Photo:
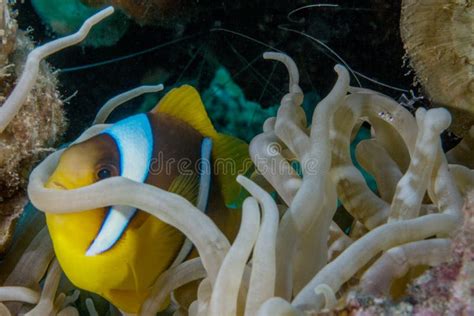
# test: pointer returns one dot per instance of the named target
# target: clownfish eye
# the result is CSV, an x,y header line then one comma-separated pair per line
x,y
104,173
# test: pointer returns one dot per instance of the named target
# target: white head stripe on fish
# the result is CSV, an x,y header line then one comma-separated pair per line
x,y
134,139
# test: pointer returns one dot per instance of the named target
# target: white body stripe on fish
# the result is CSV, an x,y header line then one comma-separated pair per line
x,y
203,195
134,139
205,174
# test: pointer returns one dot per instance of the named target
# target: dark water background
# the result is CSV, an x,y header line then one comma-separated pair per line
x,y
365,34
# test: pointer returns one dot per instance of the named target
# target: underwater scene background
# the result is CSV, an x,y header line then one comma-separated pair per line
x,y
373,239
217,47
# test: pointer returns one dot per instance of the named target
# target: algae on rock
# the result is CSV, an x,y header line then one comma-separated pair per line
x,y
33,131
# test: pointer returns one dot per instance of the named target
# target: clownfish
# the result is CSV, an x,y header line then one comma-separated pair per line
x,y
118,252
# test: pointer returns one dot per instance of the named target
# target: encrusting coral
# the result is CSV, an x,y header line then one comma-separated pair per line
x,y
437,36
444,290
35,129
290,271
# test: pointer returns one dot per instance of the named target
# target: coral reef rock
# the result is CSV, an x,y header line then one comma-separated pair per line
x,y
32,132
437,35
8,27
443,290
449,288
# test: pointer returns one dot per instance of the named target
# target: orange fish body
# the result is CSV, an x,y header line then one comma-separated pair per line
x,y
120,260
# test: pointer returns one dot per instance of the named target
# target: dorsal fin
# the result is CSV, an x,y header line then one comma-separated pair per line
x,y
185,103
